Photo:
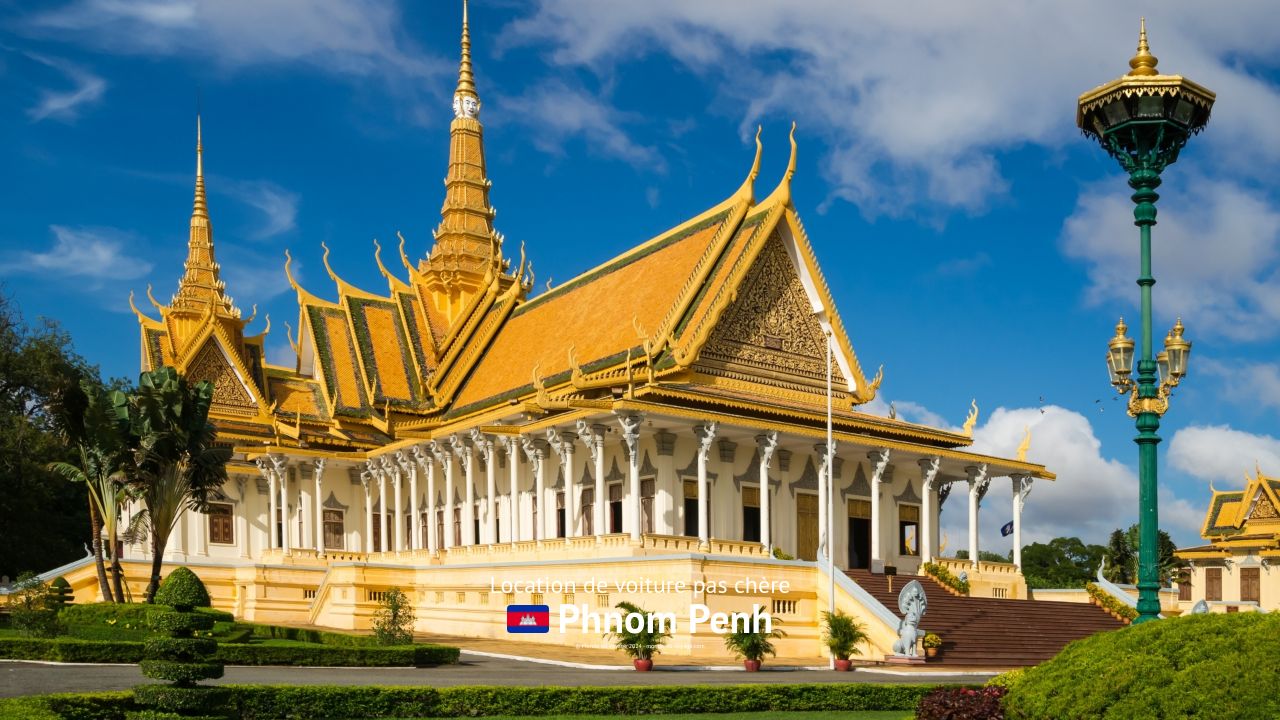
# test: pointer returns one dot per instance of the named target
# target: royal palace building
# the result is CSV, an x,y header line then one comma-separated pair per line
x,y
663,415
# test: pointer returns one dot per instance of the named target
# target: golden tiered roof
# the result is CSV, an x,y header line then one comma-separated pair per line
x,y
725,316
1247,519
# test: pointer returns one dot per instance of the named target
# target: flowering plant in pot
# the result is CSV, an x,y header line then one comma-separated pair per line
x,y
642,644
753,643
932,644
842,636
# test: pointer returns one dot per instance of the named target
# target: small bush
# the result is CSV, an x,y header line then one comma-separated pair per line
x,y
178,624
182,590
321,637
31,607
393,621
180,658
842,635
644,643
962,703
1007,680
1184,667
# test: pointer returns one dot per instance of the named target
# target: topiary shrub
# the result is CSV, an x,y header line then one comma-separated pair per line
x,y
183,591
943,575
176,654
1186,667
393,621
961,703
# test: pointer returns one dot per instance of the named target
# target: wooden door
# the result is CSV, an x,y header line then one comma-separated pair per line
x,y
807,526
1250,588
1213,583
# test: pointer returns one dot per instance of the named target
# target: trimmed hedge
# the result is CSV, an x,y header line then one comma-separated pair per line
x,y
320,637
277,702
70,650
182,590
1196,666
943,575
333,656
131,613
1109,602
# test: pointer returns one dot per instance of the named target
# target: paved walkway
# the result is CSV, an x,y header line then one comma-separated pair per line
x,y
24,678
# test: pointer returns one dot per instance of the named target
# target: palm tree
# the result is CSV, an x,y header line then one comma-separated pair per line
x,y
86,419
175,464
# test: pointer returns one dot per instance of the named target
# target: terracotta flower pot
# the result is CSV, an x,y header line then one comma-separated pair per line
x,y
931,652
643,665
843,665
751,665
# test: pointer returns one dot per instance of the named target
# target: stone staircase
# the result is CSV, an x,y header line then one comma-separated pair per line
x,y
987,632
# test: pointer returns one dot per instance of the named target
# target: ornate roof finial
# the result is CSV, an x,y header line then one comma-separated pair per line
x,y
1144,63
466,101
200,209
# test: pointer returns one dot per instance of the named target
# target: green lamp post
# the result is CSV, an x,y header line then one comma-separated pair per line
x,y
1143,119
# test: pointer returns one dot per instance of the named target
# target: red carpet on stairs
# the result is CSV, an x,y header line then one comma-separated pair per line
x,y
989,632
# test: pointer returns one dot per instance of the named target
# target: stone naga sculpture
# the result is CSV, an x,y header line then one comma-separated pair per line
x,y
912,604
1200,608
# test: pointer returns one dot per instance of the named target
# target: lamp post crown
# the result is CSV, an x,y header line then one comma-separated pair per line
x,y
1143,118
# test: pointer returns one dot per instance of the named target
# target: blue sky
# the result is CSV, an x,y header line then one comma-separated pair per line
x,y
977,246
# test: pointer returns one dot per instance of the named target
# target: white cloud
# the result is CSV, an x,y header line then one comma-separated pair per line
x,y
1216,254
279,207
917,103
1249,384
66,104
254,277
964,266
353,38
97,254
1222,454
558,112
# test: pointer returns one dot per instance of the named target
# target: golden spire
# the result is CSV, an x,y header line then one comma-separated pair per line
x,y
201,285
467,249
1144,63
200,209
466,81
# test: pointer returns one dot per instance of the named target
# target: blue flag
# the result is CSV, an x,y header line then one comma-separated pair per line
x,y
1007,529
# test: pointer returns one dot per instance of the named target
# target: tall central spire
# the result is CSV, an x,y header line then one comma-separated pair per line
x,y
201,286
467,248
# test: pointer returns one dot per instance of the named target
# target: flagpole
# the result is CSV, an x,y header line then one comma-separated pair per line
x,y
830,500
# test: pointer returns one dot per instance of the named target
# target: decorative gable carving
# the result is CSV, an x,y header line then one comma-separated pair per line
x,y
771,327
1264,509
211,364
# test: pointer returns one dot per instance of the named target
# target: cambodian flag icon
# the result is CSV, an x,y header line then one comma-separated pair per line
x,y
528,618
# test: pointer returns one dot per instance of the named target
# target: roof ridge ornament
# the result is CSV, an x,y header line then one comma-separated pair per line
x,y
1143,63
782,193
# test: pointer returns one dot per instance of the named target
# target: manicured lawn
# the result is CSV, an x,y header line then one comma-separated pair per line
x,y
850,715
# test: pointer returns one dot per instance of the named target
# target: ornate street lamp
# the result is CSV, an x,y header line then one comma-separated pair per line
x,y
1142,120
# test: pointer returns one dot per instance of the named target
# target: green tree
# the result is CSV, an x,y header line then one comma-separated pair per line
x,y
1064,562
1122,559
43,517
88,422
174,465
1166,563
986,556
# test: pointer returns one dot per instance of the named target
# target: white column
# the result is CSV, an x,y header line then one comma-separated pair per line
x,y
631,436
978,482
366,480
393,468
449,469
202,538
264,467
928,509
433,540
767,443
305,511
242,519
1021,488
384,503
562,443
319,507
414,462
879,461
281,465
484,446
593,439
536,451
464,451
512,447
705,434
